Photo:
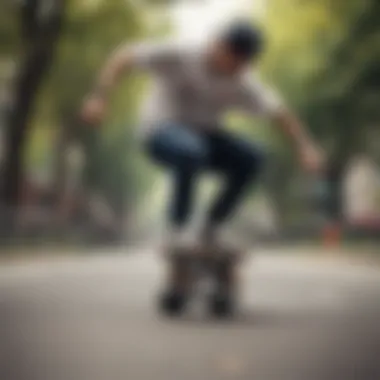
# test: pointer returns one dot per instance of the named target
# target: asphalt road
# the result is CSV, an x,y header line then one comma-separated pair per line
x,y
94,318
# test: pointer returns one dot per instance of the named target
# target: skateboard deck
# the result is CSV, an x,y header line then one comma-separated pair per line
x,y
189,267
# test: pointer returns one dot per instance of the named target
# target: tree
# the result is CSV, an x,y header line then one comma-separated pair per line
x,y
324,56
40,32
90,35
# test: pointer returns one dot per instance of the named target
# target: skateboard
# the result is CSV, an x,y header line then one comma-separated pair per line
x,y
188,268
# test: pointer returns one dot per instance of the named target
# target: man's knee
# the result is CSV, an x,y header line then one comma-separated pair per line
x,y
252,161
177,147
191,157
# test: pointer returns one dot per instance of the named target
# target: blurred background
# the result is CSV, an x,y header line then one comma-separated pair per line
x,y
66,183
68,189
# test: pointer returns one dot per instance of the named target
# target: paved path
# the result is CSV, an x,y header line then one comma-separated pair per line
x,y
93,318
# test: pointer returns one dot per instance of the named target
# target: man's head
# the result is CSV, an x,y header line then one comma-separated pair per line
x,y
236,47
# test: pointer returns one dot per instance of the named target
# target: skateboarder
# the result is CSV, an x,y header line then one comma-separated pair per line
x,y
181,120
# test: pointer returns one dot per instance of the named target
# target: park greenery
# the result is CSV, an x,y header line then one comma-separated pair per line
x,y
323,56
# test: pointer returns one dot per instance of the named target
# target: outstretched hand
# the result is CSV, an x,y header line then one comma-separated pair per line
x,y
312,159
93,110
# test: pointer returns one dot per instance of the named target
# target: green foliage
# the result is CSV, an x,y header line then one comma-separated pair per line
x,y
324,56
9,39
90,35
92,31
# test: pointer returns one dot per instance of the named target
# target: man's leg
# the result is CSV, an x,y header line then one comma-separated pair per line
x,y
185,153
240,161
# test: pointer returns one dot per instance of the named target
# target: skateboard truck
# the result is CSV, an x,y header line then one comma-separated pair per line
x,y
187,267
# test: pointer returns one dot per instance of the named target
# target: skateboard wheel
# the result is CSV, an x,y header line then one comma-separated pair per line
x,y
172,303
222,306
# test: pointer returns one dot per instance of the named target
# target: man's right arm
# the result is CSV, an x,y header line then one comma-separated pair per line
x,y
120,62
95,105
155,57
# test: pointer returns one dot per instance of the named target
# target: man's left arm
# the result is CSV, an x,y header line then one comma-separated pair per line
x,y
311,156
260,99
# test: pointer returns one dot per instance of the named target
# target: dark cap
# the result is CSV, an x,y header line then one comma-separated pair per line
x,y
244,39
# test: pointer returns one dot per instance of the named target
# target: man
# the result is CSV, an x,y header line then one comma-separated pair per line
x,y
181,122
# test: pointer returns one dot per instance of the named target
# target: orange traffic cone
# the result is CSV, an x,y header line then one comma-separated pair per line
x,y
332,235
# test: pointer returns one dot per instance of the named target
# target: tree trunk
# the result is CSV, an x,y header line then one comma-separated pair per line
x,y
40,36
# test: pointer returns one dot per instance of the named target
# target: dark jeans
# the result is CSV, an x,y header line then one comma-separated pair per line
x,y
187,152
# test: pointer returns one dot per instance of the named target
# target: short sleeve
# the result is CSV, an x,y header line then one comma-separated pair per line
x,y
259,99
158,57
